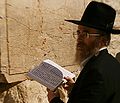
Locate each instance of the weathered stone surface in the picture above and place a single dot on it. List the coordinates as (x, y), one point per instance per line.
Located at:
(36, 31)
(25, 92)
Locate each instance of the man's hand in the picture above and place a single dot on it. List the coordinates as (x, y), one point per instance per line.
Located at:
(62, 91)
(52, 94)
(69, 84)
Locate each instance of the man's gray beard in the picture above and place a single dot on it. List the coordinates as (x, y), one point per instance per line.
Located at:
(82, 55)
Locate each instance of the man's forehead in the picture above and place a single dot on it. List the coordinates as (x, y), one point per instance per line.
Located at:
(85, 28)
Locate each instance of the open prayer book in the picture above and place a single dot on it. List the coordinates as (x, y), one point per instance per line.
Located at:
(49, 74)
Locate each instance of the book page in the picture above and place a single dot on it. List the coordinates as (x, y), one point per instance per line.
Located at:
(46, 74)
(64, 71)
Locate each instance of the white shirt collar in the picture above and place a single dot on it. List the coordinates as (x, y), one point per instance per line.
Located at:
(83, 63)
(102, 48)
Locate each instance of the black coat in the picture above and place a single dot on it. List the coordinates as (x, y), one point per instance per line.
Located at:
(98, 82)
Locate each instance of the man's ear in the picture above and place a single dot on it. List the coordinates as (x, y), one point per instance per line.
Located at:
(105, 41)
(102, 42)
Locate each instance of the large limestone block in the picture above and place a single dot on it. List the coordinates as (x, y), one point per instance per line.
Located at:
(36, 30)
(3, 37)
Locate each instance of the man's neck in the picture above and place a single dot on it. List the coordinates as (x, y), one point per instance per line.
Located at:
(83, 63)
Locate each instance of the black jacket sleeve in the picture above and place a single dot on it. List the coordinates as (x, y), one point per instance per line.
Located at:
(56, 100)
(89, 89)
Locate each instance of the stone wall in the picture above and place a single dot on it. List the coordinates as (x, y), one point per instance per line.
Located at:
(34, 30)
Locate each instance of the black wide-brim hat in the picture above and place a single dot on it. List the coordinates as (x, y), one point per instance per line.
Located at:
(98, 15)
